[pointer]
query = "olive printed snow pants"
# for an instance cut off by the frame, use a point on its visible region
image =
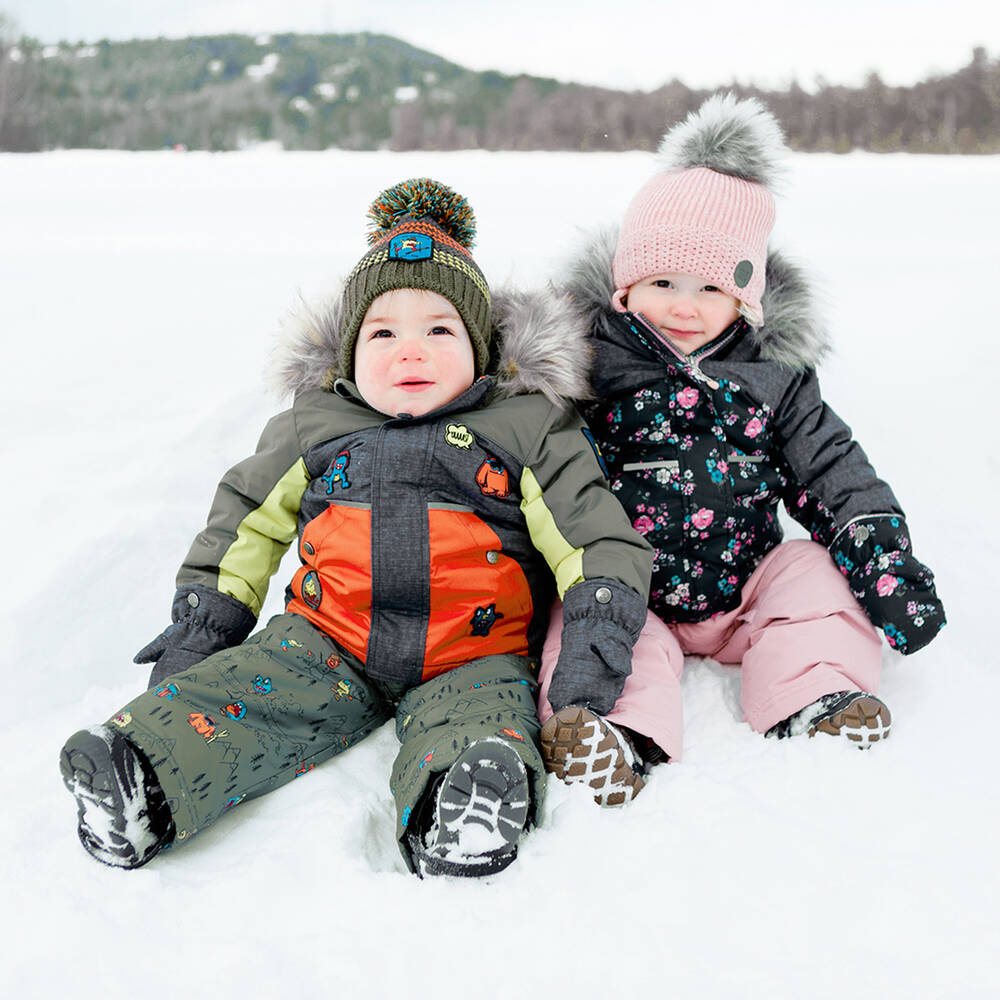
(249, 719)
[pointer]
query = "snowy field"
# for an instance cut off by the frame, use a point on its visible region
(140, 295)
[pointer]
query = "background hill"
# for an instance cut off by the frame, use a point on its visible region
(368, 91)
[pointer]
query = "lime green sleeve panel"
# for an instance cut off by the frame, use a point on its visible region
(565, 561)
(262, 538)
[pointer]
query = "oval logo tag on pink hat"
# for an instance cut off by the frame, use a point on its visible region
(742, 274)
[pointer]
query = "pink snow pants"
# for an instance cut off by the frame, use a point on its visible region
(798, 634)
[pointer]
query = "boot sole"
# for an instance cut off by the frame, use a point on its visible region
(485, 793)
(96, 775)
(579, 747)
(864, 721)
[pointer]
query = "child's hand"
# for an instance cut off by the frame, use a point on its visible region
(205, 622)
(601, 622)
(895, 589)
(168, 655)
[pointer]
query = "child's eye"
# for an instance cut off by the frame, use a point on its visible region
(441, 329)
(711, 288)
(663, 283)
(376, 334)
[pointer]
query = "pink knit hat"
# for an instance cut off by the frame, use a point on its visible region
(711, 213)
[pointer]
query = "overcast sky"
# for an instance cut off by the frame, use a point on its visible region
(635, 45)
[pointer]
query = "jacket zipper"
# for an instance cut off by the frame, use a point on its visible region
(688, 361)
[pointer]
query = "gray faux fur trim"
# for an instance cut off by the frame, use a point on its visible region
(540, 343)
(740, 138)
(792, 334)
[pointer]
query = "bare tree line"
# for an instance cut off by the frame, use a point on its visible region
(368, 91)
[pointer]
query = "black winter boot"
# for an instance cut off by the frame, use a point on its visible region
(123, 817)
(476, 814)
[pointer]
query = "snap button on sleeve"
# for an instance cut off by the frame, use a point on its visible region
(193, 600)
(492, 556)
(602, 595)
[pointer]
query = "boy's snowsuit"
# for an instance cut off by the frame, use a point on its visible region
(700, 450)
(428, 548)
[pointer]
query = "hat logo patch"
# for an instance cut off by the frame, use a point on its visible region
(743, 273)
(410, 246)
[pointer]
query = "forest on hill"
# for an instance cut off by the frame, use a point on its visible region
(368, 91)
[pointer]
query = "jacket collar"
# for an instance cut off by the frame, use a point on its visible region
(540, 345)
(792, 334)
(473, 398)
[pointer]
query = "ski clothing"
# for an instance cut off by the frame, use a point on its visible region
(798, 633)
(247, 720)
(700, 450)
(431, 548)
(424, 539)
(581, 747)
(123, 819)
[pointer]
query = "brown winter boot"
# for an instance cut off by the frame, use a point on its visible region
(579, 746)
(861, 718)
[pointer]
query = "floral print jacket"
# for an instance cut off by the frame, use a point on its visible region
(701, 449)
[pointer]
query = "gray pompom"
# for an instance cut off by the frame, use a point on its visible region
(737, 137)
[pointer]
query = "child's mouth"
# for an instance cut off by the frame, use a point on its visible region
(413, 385)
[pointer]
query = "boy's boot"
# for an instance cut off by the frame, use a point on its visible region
(856, 715)
(579, 746)
(123, 817)
(475, 814)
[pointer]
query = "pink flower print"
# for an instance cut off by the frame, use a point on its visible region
(753, 428)
(702, 518)
(644, 524)
(687, 397)
(886, 584)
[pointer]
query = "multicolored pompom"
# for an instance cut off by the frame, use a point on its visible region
(416, 198)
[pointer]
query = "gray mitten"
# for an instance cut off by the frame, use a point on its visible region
(602, 619)
(204, 622)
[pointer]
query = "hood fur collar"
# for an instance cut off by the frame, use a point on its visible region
(540, 344)
(792, 334)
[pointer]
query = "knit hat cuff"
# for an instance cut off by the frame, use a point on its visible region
(707, 253)
(448, 274)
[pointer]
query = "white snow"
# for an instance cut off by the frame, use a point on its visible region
(265, 67)
(139, 297)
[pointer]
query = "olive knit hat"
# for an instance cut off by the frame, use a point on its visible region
(420, 236)
(710, 210)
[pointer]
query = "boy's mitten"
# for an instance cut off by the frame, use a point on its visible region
(601, 621)
(895, 589)
(204, 622)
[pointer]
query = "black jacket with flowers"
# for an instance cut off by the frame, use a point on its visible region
(700, 450)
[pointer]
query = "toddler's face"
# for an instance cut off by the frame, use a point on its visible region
(685, 309)
(413, 353)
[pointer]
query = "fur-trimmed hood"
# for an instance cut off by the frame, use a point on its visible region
(540, 344)
(792, 334)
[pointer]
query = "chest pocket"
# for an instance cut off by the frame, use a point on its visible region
(333, 587)
(480, 600)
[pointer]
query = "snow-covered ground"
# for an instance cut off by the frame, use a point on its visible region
(139, 297)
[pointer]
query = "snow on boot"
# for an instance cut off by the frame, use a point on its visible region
(480, 811)
(856, 715)
(579, 746)
(123, 817)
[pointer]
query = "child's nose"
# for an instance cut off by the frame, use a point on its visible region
(411, 349)
(683, 305)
